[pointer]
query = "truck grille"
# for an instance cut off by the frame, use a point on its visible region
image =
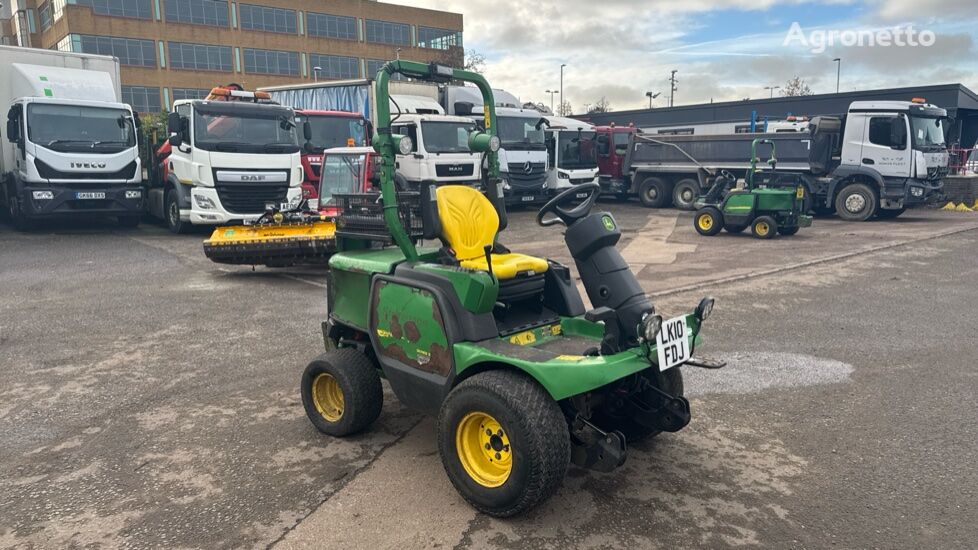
(454, 170)
(937, 172)
(521, 178)
(315, 168)
(250, 198)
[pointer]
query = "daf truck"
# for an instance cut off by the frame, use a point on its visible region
(879, 159)
(69, 146)
(571, 153)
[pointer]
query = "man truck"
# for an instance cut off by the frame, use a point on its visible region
(70, 143)
(877, 160)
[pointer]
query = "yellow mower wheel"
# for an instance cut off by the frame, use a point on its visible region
(341, 392)
(484, 449)
(328, 397)
(708, 221)
(764, 227)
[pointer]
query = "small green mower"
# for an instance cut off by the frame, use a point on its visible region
(776, 207)
(523, 379)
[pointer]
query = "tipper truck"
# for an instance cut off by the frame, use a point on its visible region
(69, 144)
(877, 160)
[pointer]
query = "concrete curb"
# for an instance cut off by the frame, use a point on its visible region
(799, 265)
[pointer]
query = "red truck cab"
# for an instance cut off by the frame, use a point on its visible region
(329, 129)
(612, 142)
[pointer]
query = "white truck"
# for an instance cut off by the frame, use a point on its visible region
(572, 156)
(69, 145)
(440, 150)
(228, 161)
(523, 149)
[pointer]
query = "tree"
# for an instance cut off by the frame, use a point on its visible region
(796, 87)
(564, 109)
(475, 62)
(602, 106)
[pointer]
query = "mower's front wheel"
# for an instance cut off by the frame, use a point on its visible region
(504, 442)
(341, 392)
(708, 221)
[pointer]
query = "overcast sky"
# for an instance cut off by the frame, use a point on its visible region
(723, 49)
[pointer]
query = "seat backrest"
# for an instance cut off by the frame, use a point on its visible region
(468, 220)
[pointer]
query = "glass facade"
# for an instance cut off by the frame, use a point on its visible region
(144, 99)
(331, 26)
(374, 65)
(201, 57)
(130, 51)
(44, 14)
(270, 62)
(385, 32)
(438, 39)
(189, 93)
(263, 18)
(142, 9)
(197, 12)
(335, 66)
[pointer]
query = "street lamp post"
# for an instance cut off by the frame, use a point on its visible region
(838, 72)
(672, 88)
(315, 73)
(562, 113)
(772, 88)
(651, 96)
(551, 92)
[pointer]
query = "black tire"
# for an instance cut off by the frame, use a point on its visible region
(361, 397)
(171, 211)
(685, 193)
(609, 419)
(764, 227)
(890, 214)
(708, 221)
(788, 231)
(16, 215)
(538, 448)
(735, 228)
(654, 192)
(128, 221)
(856, 202)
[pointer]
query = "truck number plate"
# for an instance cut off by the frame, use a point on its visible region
(672, 343)
(528, 198)
(581, 196)
(98, 195)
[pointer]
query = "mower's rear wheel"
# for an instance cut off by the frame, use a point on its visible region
(708, 221)
(764, 227)
(504, 442)
(612, 417)
(341, 392)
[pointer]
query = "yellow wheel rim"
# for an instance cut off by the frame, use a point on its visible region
(762, 228)
(705, 222)
(328, 397)
(483, 449)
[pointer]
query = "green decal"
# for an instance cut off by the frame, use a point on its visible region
(48, 92)
(609, 223)
(44, 79)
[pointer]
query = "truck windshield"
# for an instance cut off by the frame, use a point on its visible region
(333, 131)
(244, 128)
(446, 137)
(928, 133)
(79, 128)
(576, 150)
(340, 174)
(519, 133)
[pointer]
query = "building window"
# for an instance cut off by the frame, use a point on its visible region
(271, 62)
(332, 26)
(336, 66)
(201, 57)
(676, 132)
(142, 9)
(374, 65)
(438, 39)
(44, 13)
(262, 18)
(198, 12)
(742, 129)
(142, 98)
(385, 32)
(130, 51)
(189, 93)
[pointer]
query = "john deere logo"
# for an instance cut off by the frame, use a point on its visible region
(609, 223)
(527, 167)
(88, 165)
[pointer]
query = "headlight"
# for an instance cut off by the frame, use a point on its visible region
(704, 309)
(650, 326)
(917, 191)
(313, 204)
(563, 175)
(404, 145)
(506, 186)
(204, 202)
(43, 195)
(133, 194)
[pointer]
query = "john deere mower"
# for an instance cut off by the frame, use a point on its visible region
(775, 206)
(524, 380)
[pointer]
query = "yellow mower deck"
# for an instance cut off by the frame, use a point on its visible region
(272, 244)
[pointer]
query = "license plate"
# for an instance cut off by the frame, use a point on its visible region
(672, 343)
(99, 195)
(581, 196)
(528, 198)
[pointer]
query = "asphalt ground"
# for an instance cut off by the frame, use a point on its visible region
(149, 398)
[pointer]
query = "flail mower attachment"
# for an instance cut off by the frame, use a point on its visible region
(276, 240)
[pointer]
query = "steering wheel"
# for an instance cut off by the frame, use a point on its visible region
(568, 216)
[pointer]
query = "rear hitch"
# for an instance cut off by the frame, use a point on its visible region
(669, 414)
(595, 449)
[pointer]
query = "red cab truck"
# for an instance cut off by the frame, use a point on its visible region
(330, 129)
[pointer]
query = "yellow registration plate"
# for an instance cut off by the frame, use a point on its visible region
(800, 192)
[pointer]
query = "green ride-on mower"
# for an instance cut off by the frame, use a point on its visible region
(777, 206)
(523, 379)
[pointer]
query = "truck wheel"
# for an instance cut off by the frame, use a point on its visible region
(654, 192)
(788, 231)
(764, 227)
(708, 221)
(890, 214)
(614, 416)
(504, 442)
(128, 221)
(16, 215)
(856, 202)
(685, 194)
(171, 209)
(341, 392)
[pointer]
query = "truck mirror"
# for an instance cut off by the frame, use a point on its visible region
(307, 131)
(898, 133)
(11, 130)
(173, 124)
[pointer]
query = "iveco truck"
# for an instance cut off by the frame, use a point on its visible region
(69, 146)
